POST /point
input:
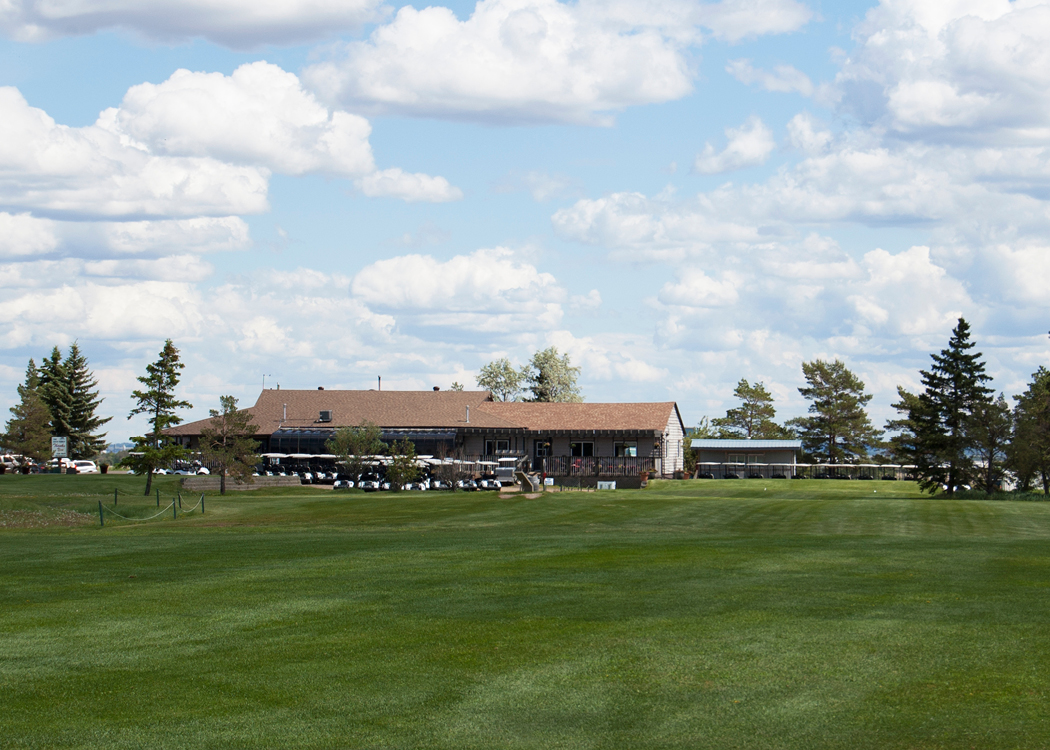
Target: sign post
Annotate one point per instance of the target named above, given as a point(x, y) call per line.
point(59, 450)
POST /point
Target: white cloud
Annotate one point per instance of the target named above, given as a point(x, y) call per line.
point(749, 146)
point(783, 79)
point(259, 116)
point(537, 60)
point(56, 170)
point(486, 290)
point(806, 134)
point(696, 289)
point(953, 70)
point(395, 183)
point(235, 23)
point(23, 235)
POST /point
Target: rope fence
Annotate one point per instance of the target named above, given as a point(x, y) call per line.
point(174, 506)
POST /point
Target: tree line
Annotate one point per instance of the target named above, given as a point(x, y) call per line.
point(955, 431)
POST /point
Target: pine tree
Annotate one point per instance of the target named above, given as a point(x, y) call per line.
point(153, 450)
point(839, 429)
point(754, 417)
point(28, 432)
point(942, 417)
point(227, 442)
point(83, 422)
point(54, 390)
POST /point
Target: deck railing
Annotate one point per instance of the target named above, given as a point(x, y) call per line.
point(595, 466)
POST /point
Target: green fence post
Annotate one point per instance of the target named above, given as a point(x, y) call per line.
point(158, 498)
point(114, 496)
point(202, 503)
point(174, 510)
point(101, 520)
point(180, 501)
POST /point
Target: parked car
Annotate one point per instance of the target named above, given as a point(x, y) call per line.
point(85, 467)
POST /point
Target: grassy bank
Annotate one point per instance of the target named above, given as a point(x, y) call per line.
point(713, 614)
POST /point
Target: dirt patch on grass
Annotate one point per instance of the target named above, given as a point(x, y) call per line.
point(38, 519)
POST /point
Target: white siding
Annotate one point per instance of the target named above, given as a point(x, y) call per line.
point(674, 444)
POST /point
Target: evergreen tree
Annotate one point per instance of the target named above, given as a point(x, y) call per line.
point(54, 390)
point(838, 429)
point(1028, 454)
point(991, 426)
point(552, 378)
point(502, 379)
point(753, 418)
point(157, 400)
point(28, 432)
point(82, 392)
point(943, 416)
point(227, 442)
point(902, 445)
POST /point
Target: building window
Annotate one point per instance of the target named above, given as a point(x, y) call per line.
point(627, 448)
point(581, 449)
point(735, 458)
point(542, 448)
point(755, 459)
point(492, 447)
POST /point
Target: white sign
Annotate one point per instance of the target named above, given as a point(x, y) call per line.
point(59, 447)
point(607, 485)
point(548, 482)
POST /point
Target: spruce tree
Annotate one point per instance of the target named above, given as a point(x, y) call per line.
point(942, 416)
point(28, 432)
point(82, 392)
point(157, 400)
point(838, 429)
point(54, 390)
point(991, 427)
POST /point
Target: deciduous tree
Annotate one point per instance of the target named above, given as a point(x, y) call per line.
point(838, 428)
point(402, 468)
point(552, 378)
point(353, 444)
point(991, 427)
point(502, 379)
point(159, 402)
point(227, 443)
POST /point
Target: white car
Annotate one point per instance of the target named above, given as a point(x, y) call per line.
point(85, 467)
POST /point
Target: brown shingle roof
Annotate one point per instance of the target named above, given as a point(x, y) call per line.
point(541, 417)
point(397, 409)
point(440, 409)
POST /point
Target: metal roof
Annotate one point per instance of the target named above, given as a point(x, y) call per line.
point(745, 444)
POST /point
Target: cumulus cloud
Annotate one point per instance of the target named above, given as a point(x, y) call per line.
point(196, 145)
point(24, 235)
point(55, 170)
point(953, 70)
point(783, 79)
point(749, 146)
point(807, 134)
point(490, 289)
point(536, 60)
point(235, 23)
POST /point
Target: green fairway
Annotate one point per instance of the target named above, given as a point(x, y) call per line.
point(709, 614)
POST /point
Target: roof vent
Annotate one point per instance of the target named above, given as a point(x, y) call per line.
point(437, 387)
point(326, 415)
point(320, 387)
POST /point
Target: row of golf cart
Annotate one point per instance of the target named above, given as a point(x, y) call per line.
point(434, 473)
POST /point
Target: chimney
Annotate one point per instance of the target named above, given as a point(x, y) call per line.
point(380, 382)
point(320, 387)
point(468, 415)
point(437, 388)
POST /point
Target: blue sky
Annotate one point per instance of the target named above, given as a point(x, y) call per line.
point(678, 194)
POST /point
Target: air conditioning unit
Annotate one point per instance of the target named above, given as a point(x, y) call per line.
point(326, 415)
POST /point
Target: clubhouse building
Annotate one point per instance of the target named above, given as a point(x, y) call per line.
point(586, 440)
